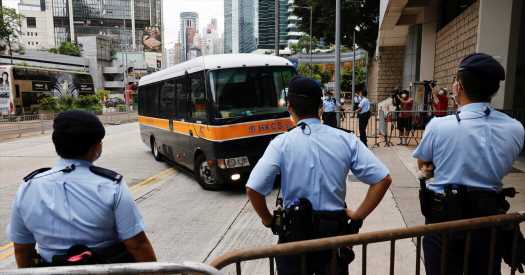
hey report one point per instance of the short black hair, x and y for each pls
(477, 88)
(305, 107)
(304, 96)
(75, 132)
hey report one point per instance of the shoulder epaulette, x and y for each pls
(289, 129)
(106, 173)
(36, 172)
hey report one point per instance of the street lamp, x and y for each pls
(311, 20)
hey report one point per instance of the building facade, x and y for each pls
(266, 23)
(426, 40)
(189, 25)
(130, 22)
(36, 25)
(293, 25)
(240, 25)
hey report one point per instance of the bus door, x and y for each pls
(181, 127)
(198, 108)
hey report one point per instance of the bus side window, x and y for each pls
(167, 98)
(182, 94)
(198, 97)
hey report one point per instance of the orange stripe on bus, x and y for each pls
(224, 132)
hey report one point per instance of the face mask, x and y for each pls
(441, 92)
(404, 96)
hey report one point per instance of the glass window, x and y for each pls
(242, 92)
(198, 97)
(182, 94)
(31, 22)
(167, 99)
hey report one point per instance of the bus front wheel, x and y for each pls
(205, 174)
(155, 150)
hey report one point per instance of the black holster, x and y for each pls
(83, 255)
(303, 223)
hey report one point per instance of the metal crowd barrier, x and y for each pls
(389, 125)
(132, 268)
(18, 125)
(364, 239)
(350, 121)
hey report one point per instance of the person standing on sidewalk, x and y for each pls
(315, 195)
(363, 114)
(404, 121)
(330, 107)
(468, 154)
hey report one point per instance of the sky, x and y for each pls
(207, 9)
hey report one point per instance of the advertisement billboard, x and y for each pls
(152, 39)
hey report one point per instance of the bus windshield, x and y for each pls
(248, 91)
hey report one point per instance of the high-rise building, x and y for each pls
(266, 11)
(293, 30)
(240, 26)
(189, 25)
(211, 41)
(36, 25)
(130, 22)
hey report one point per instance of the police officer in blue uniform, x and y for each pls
(330, 107)
(469, 153)
(76, 213)
(313, 161)
(363, 113)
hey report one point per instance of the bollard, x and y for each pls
(41, 124)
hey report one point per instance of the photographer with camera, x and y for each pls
(313, 161)
(404, 120)
(468, 154)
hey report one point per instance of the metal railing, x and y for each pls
(131, 268)
(350, 121)
(18, 125)
(391, 236)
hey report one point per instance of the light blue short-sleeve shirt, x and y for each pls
(314, 163)
(478, 151)
(57, 210)
(364, 104)
(329, 105)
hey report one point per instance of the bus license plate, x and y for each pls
(237, 162)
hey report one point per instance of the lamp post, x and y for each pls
(353, 62)
(311, 33)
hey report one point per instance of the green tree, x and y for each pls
(304, 44)
(10, 30)
(364, 14)
(67, 48)
(346, 78)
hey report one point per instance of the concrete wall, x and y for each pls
(453, 42)
(390, 72)
(494, 29)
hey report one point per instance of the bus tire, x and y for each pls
(155, 150)
(204, 174)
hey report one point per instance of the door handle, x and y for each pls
(191, 133)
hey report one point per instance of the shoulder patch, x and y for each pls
(106, 173)
(36, 172)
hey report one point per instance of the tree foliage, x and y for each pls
(364, 14)
(316, 72)
(67, 48)
(304, 44)
(346, 78)
(10, 29)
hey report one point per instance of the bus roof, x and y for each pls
(42, 69)
(210, 62)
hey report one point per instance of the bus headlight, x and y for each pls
(236, 177)
(233, 162)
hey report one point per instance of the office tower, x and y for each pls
(267, 24)
(239, 26)
(189, 23)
